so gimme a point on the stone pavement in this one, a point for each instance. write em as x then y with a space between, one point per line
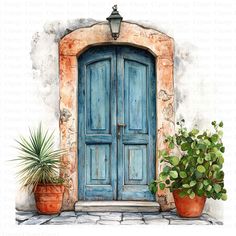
111 218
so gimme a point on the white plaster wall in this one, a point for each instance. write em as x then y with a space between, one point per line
205 69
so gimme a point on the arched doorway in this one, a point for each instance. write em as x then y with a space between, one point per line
71 47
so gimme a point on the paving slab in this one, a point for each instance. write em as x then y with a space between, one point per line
189 222
213 220
63 219
87 218
112 216
26 212
132 222
81 213
87 223
157 222
108 222
172 216
152 217
68 213
37 220
24 215
132 216
99 213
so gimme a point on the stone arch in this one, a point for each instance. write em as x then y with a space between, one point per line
75 43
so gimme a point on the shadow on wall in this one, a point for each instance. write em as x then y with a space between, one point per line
44 55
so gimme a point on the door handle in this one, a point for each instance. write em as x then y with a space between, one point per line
119 125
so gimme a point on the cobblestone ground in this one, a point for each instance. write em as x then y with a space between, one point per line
111 218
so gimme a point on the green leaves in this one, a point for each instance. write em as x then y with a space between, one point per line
215 167
217 188
224 197
163 153
153 187
199 186
200 160
192 195
174 174
184 146
163 176
182 174
207 157
193 183
166 169
171 145
182 194
214 138
220 160
174 160
162 186
38 162
195 132
222 149
209 187
201 169
213 123
206 142
195 165
186 186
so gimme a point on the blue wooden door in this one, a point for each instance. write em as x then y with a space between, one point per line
116 123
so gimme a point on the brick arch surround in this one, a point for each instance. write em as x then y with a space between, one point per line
75 43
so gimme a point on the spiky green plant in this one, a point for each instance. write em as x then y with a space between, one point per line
38 162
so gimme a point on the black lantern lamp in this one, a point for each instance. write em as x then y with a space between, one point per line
115 21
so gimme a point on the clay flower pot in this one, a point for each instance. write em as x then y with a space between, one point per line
48 198
187 207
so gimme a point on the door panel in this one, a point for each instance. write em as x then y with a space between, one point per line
98 164
136 109
135 164
135 97
98 95
116 123
97 125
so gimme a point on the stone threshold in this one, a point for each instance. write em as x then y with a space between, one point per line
117 206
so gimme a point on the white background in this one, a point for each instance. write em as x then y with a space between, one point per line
210 26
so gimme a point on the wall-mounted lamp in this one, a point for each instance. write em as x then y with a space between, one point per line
115 21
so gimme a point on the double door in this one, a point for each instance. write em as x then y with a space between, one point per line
116 123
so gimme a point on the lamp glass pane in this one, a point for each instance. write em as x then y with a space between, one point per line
115 25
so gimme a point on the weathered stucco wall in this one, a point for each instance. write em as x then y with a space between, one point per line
193 89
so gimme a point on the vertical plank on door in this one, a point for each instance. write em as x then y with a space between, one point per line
136 106
97 124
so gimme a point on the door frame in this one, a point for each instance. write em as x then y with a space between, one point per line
75 43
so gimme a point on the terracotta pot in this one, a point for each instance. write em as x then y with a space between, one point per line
187 207
48 198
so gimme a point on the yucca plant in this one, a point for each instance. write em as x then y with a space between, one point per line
38 162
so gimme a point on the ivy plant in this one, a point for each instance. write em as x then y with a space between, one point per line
196 169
